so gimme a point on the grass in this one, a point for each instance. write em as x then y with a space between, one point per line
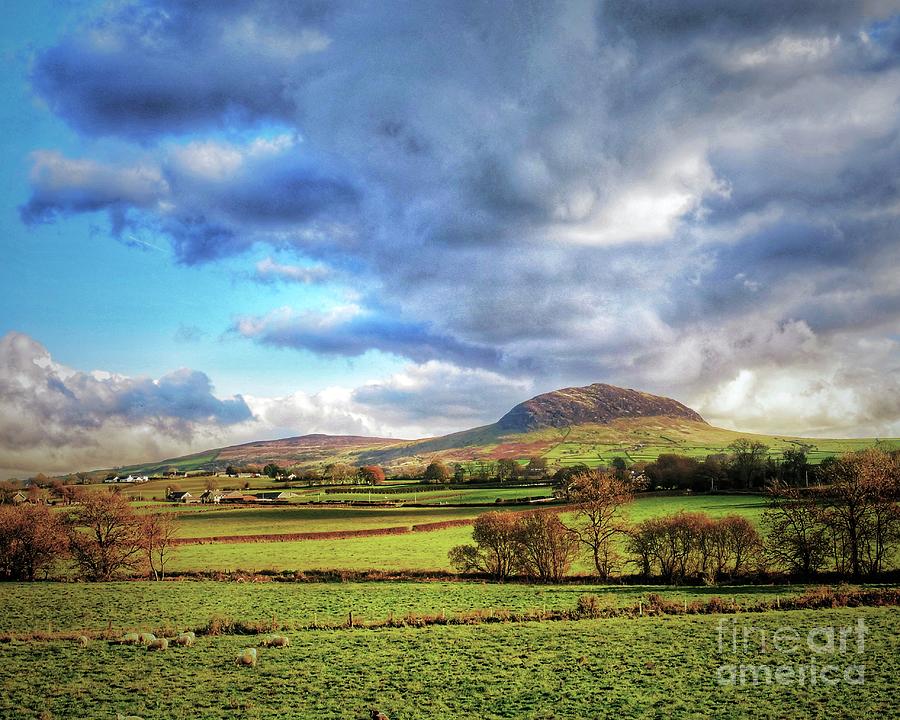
616 668
125 606
417 551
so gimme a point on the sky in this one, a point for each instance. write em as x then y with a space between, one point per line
241 220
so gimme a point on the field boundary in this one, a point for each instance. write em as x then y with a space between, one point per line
325 534
589 607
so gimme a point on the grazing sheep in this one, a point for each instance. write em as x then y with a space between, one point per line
247 657
129 639
276 641
158 644
120 716
377 715
82 640
145 638
186 638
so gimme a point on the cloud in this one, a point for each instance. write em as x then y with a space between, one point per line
268 271
54 417
211 198
351 330
661 194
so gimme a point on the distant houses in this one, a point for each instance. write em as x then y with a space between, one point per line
130 479
181 496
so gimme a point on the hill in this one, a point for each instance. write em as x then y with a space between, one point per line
590 425
597 404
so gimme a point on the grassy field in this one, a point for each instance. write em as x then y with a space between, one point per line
634 439
415 551
615 668
189 604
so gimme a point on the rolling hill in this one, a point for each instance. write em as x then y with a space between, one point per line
590 425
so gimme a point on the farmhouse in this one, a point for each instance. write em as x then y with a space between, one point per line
236 496
181 496
211 496
275 496
19 498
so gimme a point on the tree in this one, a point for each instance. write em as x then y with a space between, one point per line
861 513
599 498
794 468
230 471
32 538
371 475
437 472
546 547
211 483
794 531
271 470
105 536
748 462
496 546
339 473
459 473
159 531
507 469
537 466
672 471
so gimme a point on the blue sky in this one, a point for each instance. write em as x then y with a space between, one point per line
261 218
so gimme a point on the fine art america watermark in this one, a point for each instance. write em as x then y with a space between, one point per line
825 655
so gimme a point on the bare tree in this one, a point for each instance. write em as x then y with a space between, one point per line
105 535
599 498
795 535
159 533
861 513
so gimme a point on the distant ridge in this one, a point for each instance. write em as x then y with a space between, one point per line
597 403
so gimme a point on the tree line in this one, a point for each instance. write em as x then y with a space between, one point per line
849 524
99 537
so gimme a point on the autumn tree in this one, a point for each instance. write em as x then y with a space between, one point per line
496 546
546 547
599 499
371 475
105 535
339 473
32 538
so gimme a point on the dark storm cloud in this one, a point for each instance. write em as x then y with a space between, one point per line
625 191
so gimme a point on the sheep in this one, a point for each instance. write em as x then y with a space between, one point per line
158 644
82 640
120 716
276 641
246 657
186 638
129 639
145 638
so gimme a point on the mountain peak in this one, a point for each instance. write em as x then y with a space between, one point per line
597 403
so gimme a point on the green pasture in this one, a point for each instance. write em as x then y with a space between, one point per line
645 440
413 551
615 668
188 604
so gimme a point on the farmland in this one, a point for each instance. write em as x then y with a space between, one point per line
590 668
633 439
